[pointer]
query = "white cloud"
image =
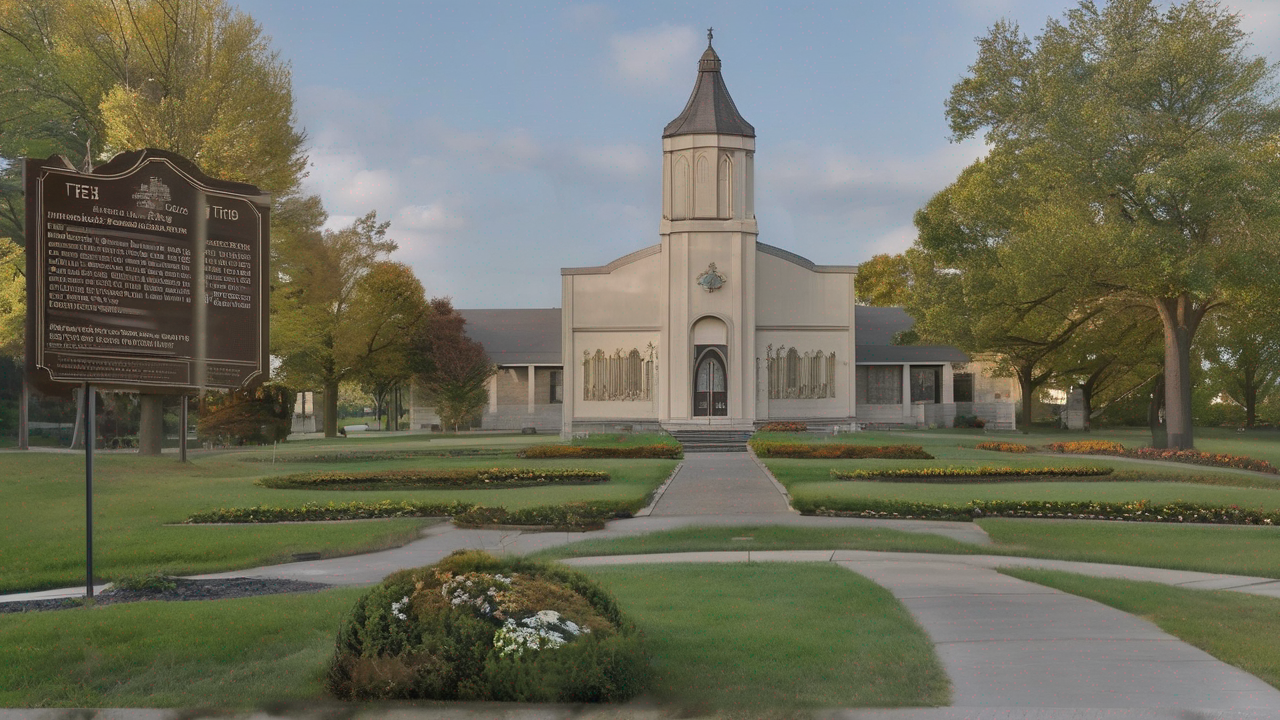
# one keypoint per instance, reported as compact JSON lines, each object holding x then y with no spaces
{"x":431,"y":218}
{"x":652,"y":57}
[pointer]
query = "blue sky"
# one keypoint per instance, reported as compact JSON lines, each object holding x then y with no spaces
{"x":506,"y":140}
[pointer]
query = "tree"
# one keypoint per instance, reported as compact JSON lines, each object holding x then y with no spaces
{"x":884,"y":281}
{"x":453,"y":368}
{"x":344,"y":309}
{"x":1158,"y":131}
{"x":1242,"y":349}
{"x":13,"y":298}
{"x":990,"y":291}
{"x":1117,"y":353}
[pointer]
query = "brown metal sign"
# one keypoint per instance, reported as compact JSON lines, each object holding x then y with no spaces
{"x":145,"y":274}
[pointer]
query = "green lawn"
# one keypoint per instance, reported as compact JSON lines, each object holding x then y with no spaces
{"x":1224,"y":549}
{"x":771,"y":639}
{"x":135,"y":498}
{"x":742,"y":640}
{"x":811,"y":479}
{"x":1238,"y":629}
{"x":237,"y":653}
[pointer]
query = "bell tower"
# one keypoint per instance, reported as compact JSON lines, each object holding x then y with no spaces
{"x":708,"y":231}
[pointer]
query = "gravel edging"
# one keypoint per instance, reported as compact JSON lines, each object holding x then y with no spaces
{"x":184,"y":590}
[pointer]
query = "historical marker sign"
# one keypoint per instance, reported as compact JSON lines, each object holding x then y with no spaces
{"x":145,"y":274}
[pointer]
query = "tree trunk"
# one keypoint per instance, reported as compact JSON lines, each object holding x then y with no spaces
{"x":331,"y":409}
{"x":151,"y":425}
{"x":1028,"y":389}
{"x":1159,"y":436}
{"x":1086,"y":394}
{"x":1180,"y":318}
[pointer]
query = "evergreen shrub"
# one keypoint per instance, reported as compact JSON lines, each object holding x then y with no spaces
{"x":474,"y":627}
{"x":833,"y":451}
{"x":584,"y":452}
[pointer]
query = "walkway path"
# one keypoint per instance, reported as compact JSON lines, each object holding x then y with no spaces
{"x":1025,"y":650}
{"x":725,"y":483}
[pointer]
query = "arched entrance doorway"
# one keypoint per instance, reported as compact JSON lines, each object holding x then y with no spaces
{"x":710,"y":388}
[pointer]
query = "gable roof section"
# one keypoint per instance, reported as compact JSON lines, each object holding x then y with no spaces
{"x":519,"y":336}
{"x":874,"y":329}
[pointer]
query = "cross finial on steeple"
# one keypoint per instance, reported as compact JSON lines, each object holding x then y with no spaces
{"x":709,"y":30}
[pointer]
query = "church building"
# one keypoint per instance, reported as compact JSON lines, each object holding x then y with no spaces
{"x":712,"y":327}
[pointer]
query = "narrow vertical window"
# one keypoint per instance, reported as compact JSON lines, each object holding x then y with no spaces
{"x":726,"y":188}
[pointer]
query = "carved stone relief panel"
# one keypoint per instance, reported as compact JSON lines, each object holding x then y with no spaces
{"x":622,"y":375}
{"x":800,"y":376}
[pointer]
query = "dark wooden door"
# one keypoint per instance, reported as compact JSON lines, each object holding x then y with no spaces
{"x":710,"y":394}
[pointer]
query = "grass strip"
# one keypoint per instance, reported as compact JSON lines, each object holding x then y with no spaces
{"x":1235,"y":628}
{"x":770,"y":639}
{"x":1222,"y":549}
{"x":447,"y":478}
{"x":226,"y":653}
{"x":973,"y":474}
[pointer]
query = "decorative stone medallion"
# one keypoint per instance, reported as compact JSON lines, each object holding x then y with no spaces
{"x":711,"y":279}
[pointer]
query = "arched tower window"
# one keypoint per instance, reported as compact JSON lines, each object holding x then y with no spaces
{"x":704,"y":189}
{"x":680,"y":189}
{"x":726,"y":188}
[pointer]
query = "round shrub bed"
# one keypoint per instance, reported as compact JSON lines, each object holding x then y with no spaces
{"x":474,"y":627}
{"x":836,"y":451}
{"x":973,"y":474}
{"x":457,"y":478}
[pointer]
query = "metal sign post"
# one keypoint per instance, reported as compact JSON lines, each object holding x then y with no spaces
{"x":90,"y":438}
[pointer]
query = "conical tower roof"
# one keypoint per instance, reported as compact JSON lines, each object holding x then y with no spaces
{"x":710,"y":110}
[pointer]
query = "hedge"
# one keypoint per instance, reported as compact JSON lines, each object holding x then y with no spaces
{"x":583,"y":452}
{"x":1003,"y":447}
{"x":784,"y":427}
{"x":456,"y":478}
{"x":1136,"y":511}
{"x":833,"y":451}
{"x":586,"y":515}
{"x":1191,"y":457}
{"x":972,"y":474}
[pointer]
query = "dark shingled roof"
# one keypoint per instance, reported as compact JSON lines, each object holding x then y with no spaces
{"x":874,"y":328}
{"x":522,"y":336}
{"x":710,"y":109}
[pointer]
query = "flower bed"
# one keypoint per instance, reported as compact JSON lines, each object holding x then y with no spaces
{"x":476,"y":628}
{"x":1086,"y":447}
{"x":834,"y":451}
{"x":1137,"y":511}
{"x":972,"y":474}
{"x":456,"y":478}
{"x":584,"y":515}
{"x":587,"y":515}
{"x":1003,"y":447}
{"x":363,"y":455}
{"x":784,"y":427}
{"x":556,"y":452}
{"x":1192,"y":457}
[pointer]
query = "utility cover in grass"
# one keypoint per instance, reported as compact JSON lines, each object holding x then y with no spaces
{"x":474,"y":627}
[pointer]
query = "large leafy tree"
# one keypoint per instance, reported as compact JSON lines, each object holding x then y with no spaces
{"x":1157,"y":131}
{"x":1014,"y":296}
{"x":452,"y":368}
{"x":344,"y":310}
{"x":1242,"y":349}
{"x":884,"y":281}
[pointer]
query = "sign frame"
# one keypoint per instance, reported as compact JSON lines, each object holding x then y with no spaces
{"x":204,"y":189}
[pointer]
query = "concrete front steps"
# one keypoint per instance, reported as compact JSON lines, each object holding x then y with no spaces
{"x":711,"y":439}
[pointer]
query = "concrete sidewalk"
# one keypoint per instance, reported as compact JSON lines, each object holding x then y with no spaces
{"x":1022,"y":650}
{"x":726,"y":483}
